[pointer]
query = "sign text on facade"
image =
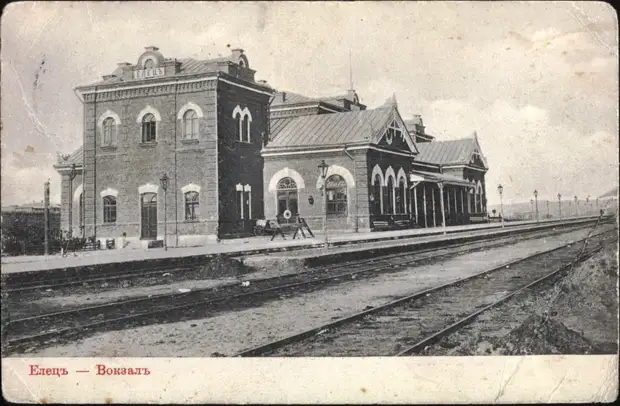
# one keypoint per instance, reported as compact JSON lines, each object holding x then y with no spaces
{"x":148,"y":73}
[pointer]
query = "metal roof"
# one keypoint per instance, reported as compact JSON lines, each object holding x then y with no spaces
{"x":332,"y":129}
{"x":456,"y":152}
{"x":441,"y":177}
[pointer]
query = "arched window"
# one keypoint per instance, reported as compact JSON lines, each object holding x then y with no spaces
{"x":377,"y":194}
{"x":336,"y":189}
{"x":149,"y":128}
{"x":109,"y":131}
{"x":149,"y":64}
{"x":190,"y":125}
{"x":400,"y":197}
{"x":287,"y":198}
{"x":109,"y":209}
{"x":390,"y":196}
{"x":192,"y":206}
{"x":246,"y":129}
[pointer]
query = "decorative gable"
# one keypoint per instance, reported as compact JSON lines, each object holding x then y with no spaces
{"x":395,"y":136}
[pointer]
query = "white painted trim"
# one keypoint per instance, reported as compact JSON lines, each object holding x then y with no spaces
{"x":148,"y":109}
{"x":109,"y":192}
{"x":153,"y":84}
{"x":320,"y":151}
{"x":78,"y":191}
{"x":389,"y":171}
{"x":148,"y":188}
{"x":108,"y":114}
{"x":465,"y":166}
{"x":245,"y":87}
{"x":239,"y":187}
{"x":377,"y":171}
{"x":247,"y":188}
{"x":325,"y":108}
{"x":237,"y":110}
{"x":336,"y":170}
{"x":401,"y":174}
{"x":190,"y":106}
{"x":191,"y":187}
{"x":286,"y":173}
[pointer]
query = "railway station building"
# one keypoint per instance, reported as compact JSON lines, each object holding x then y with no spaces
{"x":233,"y":150}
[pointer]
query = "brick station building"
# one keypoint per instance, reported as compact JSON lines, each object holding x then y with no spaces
{"x":235,"y":151}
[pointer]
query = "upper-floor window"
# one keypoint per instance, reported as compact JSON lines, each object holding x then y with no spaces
{"x":192,"y":206}
{"x":109,"y":131}
{"x":244,"y":122}
{"x":393,"y":132}
{"x":190,"y":125}
{"x":109,"y":209}
{"x":149,"y":128}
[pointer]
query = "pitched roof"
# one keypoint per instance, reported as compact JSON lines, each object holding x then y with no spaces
{"x":290,"y":98}
{"x":332,"y":129}
{"x":456,"y":152}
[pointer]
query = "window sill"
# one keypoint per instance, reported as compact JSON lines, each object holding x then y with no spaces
{"x":191,"y":221}
{"x":109,"y":223}
{"x":243,"y":142}
{"x":151,"y":144}
{"x":109,"y":147}
{"x":189,"y":141}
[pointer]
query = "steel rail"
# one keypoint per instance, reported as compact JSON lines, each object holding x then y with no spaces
{"x":55,"y":283}
{"x":433,"y":338}
{"x":267,"y":348}
{"x":119,"y":321}
{"x":279,"y":278}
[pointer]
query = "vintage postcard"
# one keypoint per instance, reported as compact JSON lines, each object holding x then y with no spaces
{"x":309,"y":202}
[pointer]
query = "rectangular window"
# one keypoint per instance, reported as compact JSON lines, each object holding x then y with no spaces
{"x":192,"y":206}
{"x":240,"y":212}
{"x":109,"y":209}
{"x":148,"y":131}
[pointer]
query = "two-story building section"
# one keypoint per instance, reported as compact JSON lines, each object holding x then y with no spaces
{"x":199,"y":122}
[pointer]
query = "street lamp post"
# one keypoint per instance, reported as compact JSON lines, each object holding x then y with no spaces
{"x":500,"y":189}
{"x":587,"y":205}
{"x":72,"y":175}
{"x":548,"y":213}
{"x":164,"y":186}
{"x":576,"y":207}
{"x":323,"y":172}
{"x":536,"y":197}
{"x":560,"y":205}
{"x":532,"y":209}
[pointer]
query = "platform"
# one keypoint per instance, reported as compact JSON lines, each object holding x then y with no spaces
{"x":250,"y":246}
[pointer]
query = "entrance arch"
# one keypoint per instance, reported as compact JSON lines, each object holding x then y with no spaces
{"x":148,"y":206}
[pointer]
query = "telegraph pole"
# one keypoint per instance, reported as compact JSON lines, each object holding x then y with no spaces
{"x":46,"y":225}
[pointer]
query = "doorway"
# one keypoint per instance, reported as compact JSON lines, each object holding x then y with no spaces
{"x":149,"y":216}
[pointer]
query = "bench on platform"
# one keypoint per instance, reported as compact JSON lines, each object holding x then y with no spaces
{"x":477,"y":219}
{"x":381,"y":225}
{"x":402,"y":223}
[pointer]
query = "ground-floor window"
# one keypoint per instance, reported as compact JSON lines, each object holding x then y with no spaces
{"x":376,"y":195}
{"x":400,"y":197}
{"x":336,"y":190}
{"x":244,"y":201}
{"x":287,"y":198}
{"x":192,"y":206}
{"x":109,"y":209}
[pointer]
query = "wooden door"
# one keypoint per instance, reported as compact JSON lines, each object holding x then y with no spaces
{"x":149,"y":216}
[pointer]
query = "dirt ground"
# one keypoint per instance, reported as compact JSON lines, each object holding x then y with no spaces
{"x":576,"y":314}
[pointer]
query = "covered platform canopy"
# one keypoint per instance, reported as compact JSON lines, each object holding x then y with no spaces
{"x":419,"y":176}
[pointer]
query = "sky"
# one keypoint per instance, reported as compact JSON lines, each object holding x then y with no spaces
{"x":537,"y":82}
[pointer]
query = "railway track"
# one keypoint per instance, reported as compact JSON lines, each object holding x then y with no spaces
{"x":42,"y":283}
{"x":71,"y":324}
{"x":408,"y":325}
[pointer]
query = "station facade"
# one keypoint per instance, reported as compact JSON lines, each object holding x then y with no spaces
{"x":233,"y":150}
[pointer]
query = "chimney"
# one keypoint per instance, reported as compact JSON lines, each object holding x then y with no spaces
{"x":151,"y":48}
{"x":352,"y":96}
